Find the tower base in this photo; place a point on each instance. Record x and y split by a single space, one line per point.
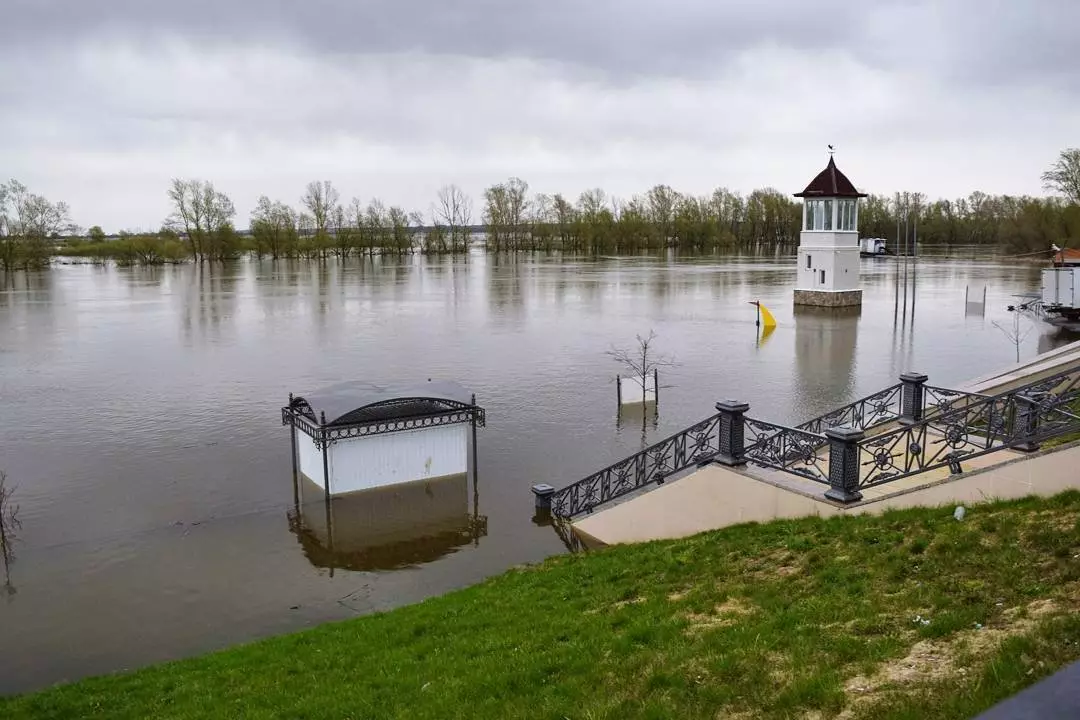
829 298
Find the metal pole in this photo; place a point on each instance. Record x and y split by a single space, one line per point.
896 285
906 250
292 439
475 480
914 258
326 489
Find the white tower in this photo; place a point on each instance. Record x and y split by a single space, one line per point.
828 273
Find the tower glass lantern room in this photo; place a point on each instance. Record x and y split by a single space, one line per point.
830 202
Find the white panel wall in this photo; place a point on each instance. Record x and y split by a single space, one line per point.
837 253
630 390
310 458
380 460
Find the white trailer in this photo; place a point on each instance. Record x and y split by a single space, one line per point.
1061 289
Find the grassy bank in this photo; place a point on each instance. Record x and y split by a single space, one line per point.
907 615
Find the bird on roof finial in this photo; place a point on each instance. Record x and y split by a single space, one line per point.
831 150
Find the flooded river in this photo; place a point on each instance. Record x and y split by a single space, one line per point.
141 427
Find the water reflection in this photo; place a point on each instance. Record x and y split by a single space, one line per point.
9 526
825 344
387 528
208 298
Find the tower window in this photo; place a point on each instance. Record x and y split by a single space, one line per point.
846 215
808 261
822 277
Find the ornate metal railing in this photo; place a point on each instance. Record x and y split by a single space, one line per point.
865 413
941 400
783 448
1020 419
695 445
936 427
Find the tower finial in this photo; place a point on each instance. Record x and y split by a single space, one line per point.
831 150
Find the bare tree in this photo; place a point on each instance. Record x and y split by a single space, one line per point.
1063 177
27 222
9 524
1016 334
321 200
642 360
204 214
454 210
517 205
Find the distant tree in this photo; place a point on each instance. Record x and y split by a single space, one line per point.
273 224
27 223
96 234
661 202
401 223
1063 177
517 199
497 216
203 213
454 211
321 200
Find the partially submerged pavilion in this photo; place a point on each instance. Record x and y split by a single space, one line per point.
356 436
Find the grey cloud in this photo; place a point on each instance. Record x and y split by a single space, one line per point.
975 41
615 37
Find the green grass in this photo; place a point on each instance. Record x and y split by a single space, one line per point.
790 619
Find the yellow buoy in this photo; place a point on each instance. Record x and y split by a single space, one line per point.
764 318
767 319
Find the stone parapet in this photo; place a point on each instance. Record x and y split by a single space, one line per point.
828 299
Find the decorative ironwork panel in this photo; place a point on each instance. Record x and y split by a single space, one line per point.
965 425
783 448
692 446
870 411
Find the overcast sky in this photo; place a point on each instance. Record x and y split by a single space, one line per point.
102 102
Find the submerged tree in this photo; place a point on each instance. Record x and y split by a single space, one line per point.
204 214
273 224
1016 333
321 200
454 212
28 225
642 360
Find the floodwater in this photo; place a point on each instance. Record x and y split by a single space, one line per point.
140 422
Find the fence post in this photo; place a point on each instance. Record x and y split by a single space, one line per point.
912 398
844 463
732 415
1027 422
543 493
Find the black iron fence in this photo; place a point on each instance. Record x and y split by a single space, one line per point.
1019 419
695 445
865 413
935 427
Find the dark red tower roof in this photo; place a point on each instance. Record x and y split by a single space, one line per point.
830 182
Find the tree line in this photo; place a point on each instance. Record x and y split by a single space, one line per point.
201 225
